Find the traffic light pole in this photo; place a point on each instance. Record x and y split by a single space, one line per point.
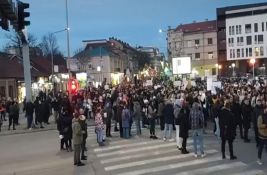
26 67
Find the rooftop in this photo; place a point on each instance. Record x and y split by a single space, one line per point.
206 26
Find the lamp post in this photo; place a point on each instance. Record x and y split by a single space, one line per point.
233 67
253 61
52 52
67 27
217 67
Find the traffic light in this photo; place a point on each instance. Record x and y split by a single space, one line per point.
22 15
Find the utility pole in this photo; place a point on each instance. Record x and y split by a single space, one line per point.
26 66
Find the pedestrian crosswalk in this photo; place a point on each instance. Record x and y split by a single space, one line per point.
138 156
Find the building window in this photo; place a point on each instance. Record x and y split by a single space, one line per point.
240 41
240 29
256 39
236 29
248 28
230 30
250 52
197 56
10 91
260 39
261 51
238 53
249 38
255 27
262 26
246 52
233 30
197 42
2 91
210 55
257 51
189 43
231 53
189 55
242 53
209 41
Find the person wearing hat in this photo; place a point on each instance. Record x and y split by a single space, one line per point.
77 140
227 129
83 124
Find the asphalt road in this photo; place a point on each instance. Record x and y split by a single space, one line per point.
38 153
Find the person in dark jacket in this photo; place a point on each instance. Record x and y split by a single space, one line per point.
257 111
29 109
84 133
246 113
227 129
168 113
126 117
237 110
64 126
38 114
184 123
108 115
119 117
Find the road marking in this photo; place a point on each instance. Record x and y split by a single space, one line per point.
173 166
135 150
214 168
251 172
155 160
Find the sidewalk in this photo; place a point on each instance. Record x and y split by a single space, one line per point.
22 128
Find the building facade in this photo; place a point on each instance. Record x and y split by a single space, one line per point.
197 40
107 60
242 35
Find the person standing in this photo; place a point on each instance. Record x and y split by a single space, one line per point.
56 108
84 133
152 111
169 120
197 126
137 114
184 125
126 117
227 129
38 112
246 113
29 108
119 117
12 113
177 108
160 113
262 134
237 111
108 115
77 141
99 126
257 111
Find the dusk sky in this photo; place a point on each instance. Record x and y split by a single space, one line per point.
134 21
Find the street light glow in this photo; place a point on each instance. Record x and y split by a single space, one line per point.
252 61
233 65
160 30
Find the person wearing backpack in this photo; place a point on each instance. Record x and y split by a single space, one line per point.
197 126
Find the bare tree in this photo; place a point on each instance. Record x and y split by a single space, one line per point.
49 45
15 41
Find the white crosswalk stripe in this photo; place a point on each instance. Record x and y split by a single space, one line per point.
143 156
149 161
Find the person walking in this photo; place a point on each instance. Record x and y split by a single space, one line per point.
262 134
137 114
169 120
29 110
197 125
227 129
108 117
77 140
126 117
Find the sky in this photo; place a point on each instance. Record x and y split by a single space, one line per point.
136 22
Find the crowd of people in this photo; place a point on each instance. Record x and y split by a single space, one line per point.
237 104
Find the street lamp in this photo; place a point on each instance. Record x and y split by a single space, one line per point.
253 61
233 66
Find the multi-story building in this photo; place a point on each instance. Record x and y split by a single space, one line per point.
107 60
197 40
242 35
